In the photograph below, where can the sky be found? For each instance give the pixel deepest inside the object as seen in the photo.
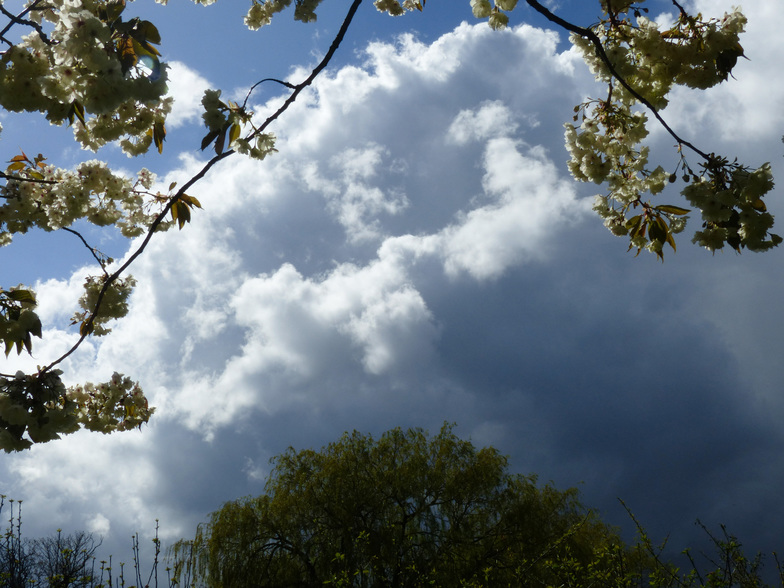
(417, 253)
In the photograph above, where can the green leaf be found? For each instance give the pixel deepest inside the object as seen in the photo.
(633, 222)
(159, 135)
(27, 342)
(220, 141)
(671, 241)
(181, 213)
(144, 48)
(85, 328)
(76, 110)
(209, 138)
(21, 295)
(113, 10)
(190, 201)
(127, 53)
(668, 208)
(150, 32)
(658, 230)
(234, 133)
(636, 226)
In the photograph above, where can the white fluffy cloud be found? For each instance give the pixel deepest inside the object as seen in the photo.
(187, 87)
(414, 253)
(312, 264)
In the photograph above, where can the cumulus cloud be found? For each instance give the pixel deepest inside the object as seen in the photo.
(747, 106)
(414, 253)
(186, 87)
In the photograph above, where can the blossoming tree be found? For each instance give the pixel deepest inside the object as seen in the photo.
(92, 65)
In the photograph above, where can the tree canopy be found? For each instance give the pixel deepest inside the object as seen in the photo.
(411, 509)
(406, 509)
(96, 67)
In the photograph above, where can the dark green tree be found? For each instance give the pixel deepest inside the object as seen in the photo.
(404, 510)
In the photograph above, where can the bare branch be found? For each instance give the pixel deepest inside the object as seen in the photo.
(19, 19)
(93, 251)
(253, 87)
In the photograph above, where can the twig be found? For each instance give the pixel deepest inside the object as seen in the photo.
(253, 87)
(19, 19)
(92, 250)
(6, 176)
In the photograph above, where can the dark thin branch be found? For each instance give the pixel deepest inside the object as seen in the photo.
(597, 43)
(87, 325)
(316, 71)
(93, 251)
(5, 176)
(253, 87)
(19, 19)
(679, 7)
(649, 547)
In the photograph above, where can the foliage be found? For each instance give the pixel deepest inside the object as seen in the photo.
(409, 509)
(405, 510)
(92, 65)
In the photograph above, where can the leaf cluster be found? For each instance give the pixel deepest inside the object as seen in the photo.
(133, 39)
(654, 224)
(230, 131)
(181, 209)
(18, 321)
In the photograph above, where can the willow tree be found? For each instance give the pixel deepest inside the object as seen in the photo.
(404, 510)
(93, 65)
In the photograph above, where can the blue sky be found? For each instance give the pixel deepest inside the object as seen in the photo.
(417, 253)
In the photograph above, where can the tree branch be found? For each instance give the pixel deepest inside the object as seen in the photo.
(254, 86)
(19, 19)
(597, 43)
(198, 176)
(93, 251)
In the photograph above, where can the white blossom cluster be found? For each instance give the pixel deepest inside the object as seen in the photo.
(75, 72)
(114, 303)
(203, 2)
(116, 405)
(261, 13)
(38, 408)
(492, 12)
(50, 198)
(693, 53)
(605, 148)
(261, 146)
(732, 208)
(215, 111)
(34, 409)
(220, 117)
